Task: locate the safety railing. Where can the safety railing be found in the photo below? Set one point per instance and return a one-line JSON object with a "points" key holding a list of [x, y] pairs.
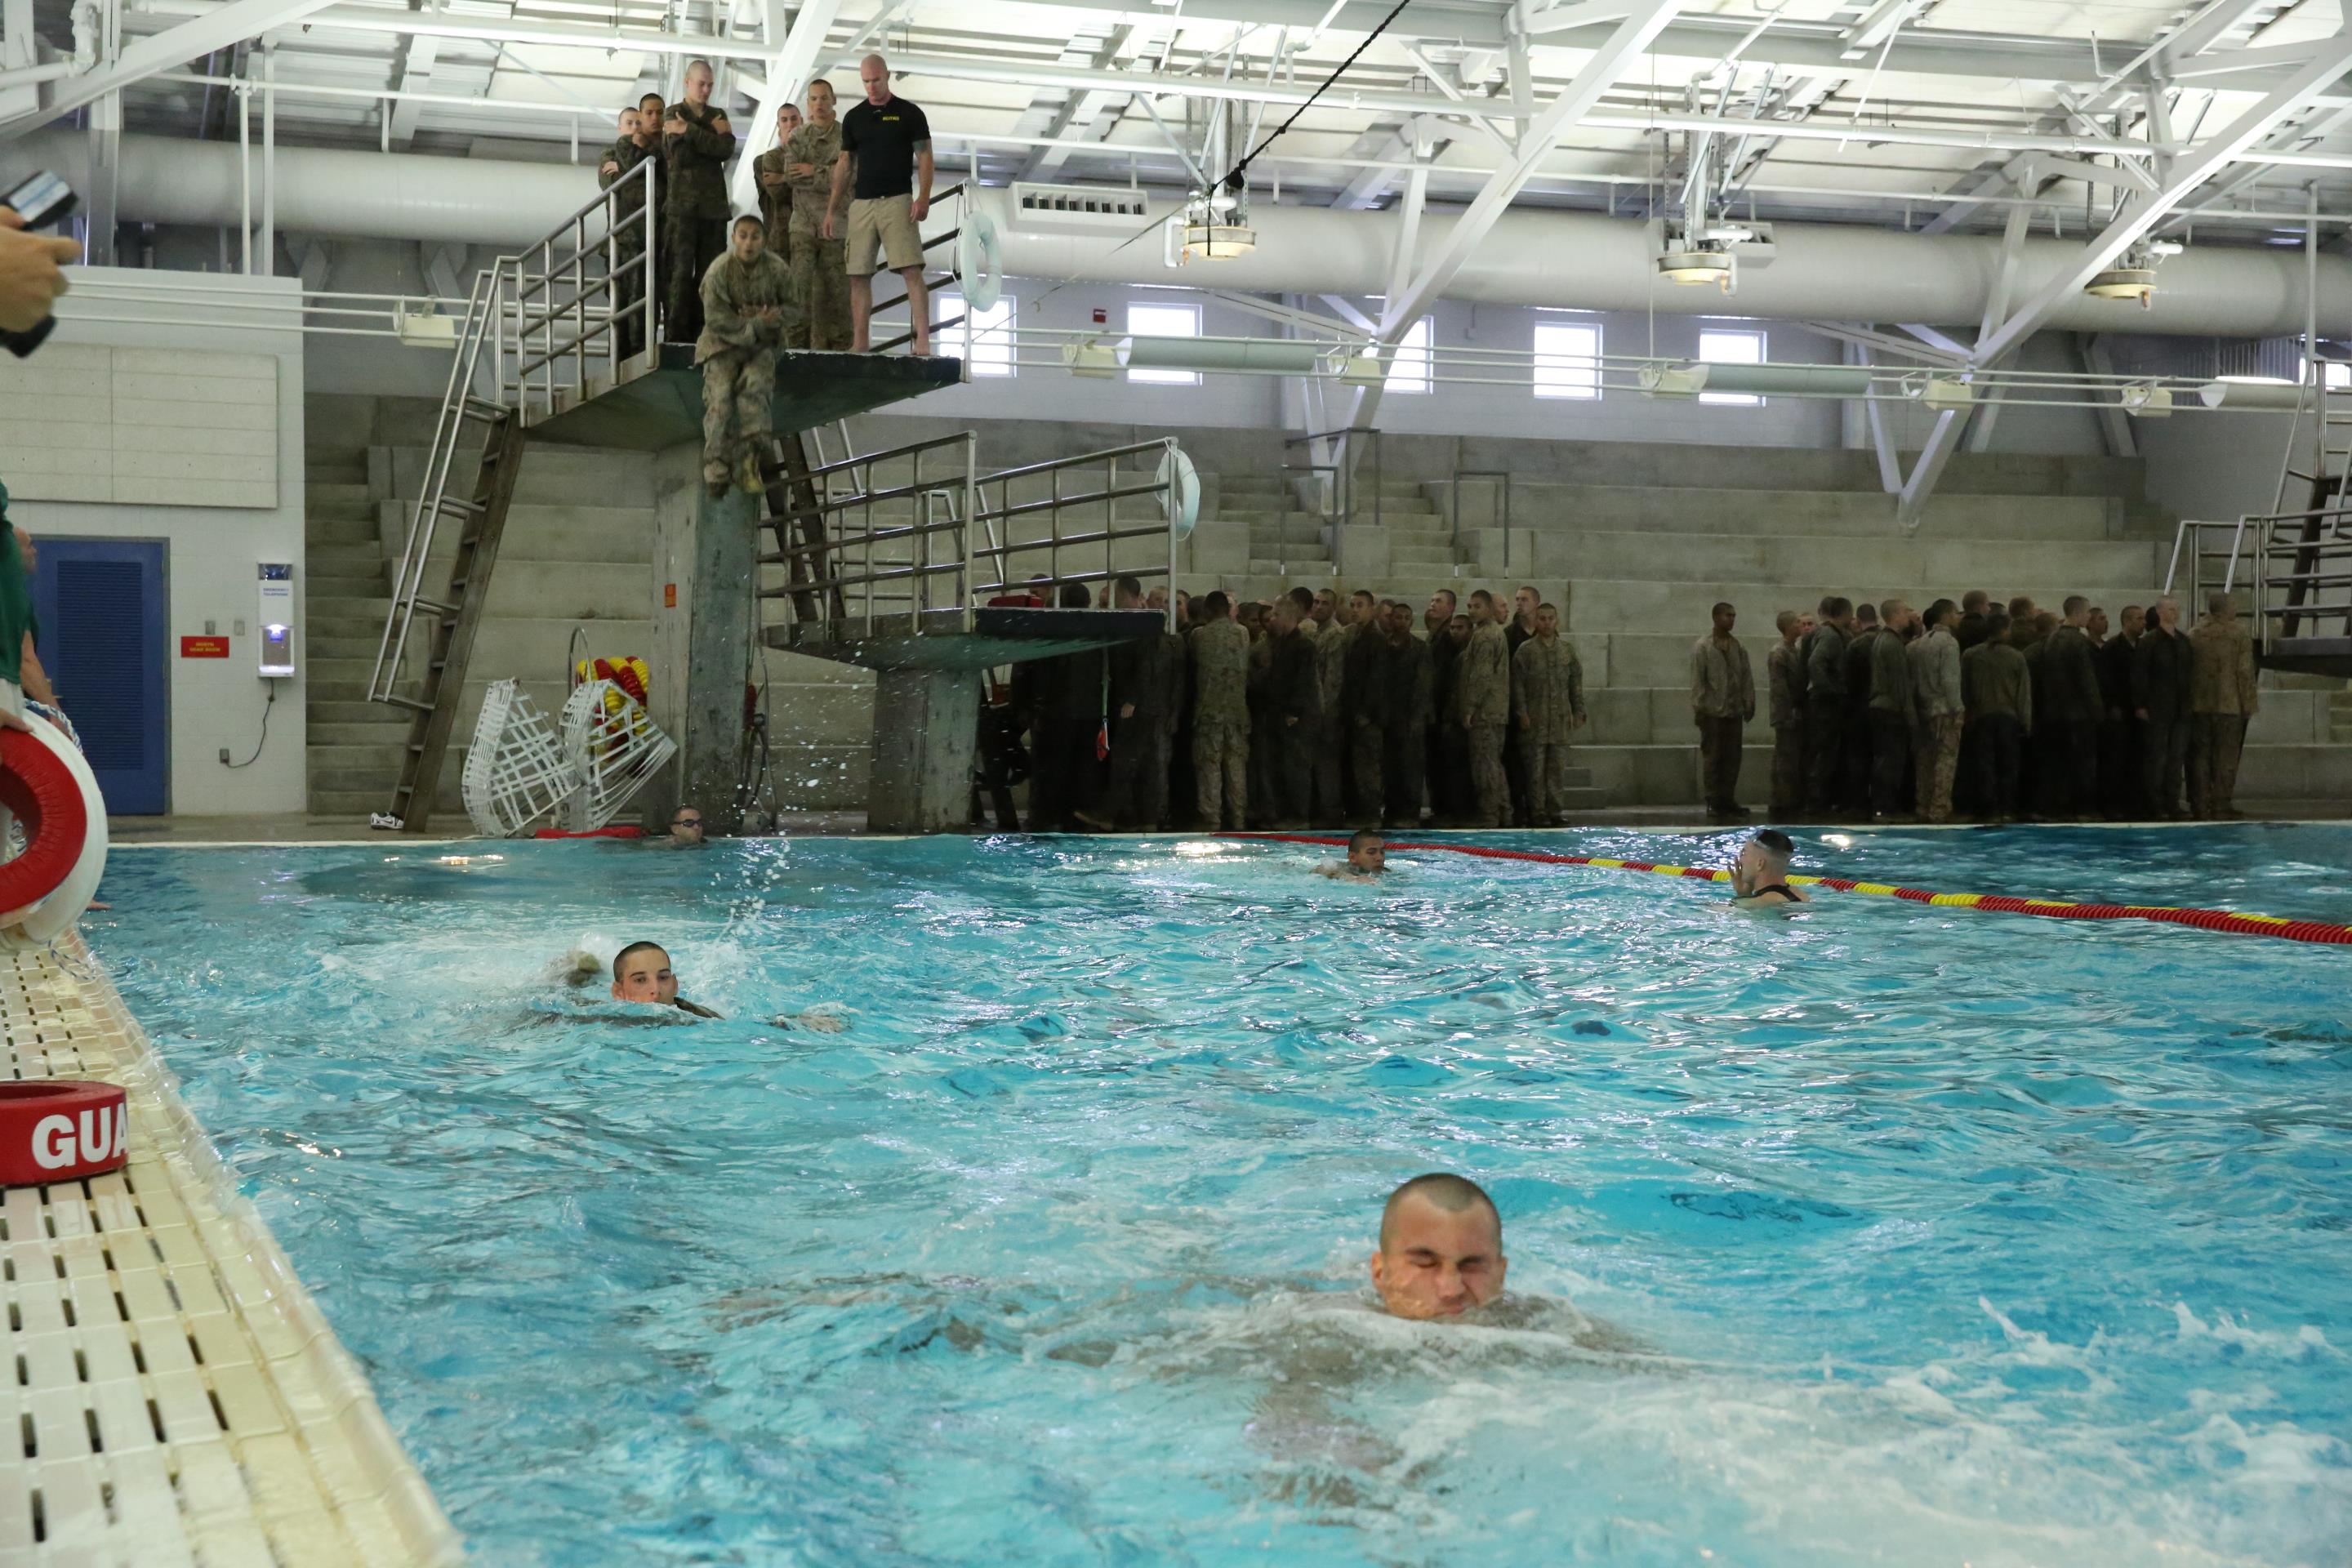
{"points": [[2295, 568], [459, 404], [1082, 519], [1500, 479], [1333, 485], [2304, 591], [576, 311], [890, 547]]}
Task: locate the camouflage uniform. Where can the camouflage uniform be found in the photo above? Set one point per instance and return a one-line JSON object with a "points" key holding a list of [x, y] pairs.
{"points": [[1939, 711], [1723, 698], [1784, 673], [775, 204], [2220, 701], [819, 316], [1411, 692], [737, 352], [1548, 701], [1221, 721], [1364, 708], [1331, 732], [694, 215], [1483, 681], [628, 253]]}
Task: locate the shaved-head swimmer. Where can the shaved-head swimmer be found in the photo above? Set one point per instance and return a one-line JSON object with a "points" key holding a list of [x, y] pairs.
{"points": [[1441, 1248], [1367, 856]]}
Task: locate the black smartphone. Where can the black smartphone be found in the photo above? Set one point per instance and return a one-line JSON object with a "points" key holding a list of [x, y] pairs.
{"points": [[43, 199]]}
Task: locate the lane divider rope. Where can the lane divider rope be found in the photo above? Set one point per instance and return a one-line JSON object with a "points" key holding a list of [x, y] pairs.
{"points": [[2230, 921]]}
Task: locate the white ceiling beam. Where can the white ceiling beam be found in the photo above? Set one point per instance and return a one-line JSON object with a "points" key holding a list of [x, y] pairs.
{"points": [[2191, 170], [411, 72], [1627, 43], [787, 73], [216, 28], [1473, 23]]}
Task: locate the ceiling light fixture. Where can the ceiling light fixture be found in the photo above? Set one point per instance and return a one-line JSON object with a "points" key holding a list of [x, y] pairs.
{"points": [[1214, 225], [2134, 275]]}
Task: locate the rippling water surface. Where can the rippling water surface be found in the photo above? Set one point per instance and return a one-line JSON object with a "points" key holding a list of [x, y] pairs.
{"points": [[1929, 1237]]}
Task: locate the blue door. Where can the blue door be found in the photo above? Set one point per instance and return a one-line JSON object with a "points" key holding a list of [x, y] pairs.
{"points": [[100, 605]]}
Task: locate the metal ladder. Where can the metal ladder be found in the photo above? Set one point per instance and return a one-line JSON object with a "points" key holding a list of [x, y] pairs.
{"points": [[2302, 556], [481, 516]]}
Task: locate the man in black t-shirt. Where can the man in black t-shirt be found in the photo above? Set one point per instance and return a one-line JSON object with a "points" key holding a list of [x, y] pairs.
{"points": [[887, 142]]}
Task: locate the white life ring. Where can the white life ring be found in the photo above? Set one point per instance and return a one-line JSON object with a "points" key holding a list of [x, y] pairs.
{"points": [[978, 261], [45, 782], [1185, 480]]}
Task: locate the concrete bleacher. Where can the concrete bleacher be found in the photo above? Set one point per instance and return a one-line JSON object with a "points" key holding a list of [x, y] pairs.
{"points": [[1634, 542], [576, 556]]}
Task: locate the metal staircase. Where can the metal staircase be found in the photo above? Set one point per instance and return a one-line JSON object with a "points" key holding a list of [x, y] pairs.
{"points": [[480, 515], [542, 330], [2289, 567], [2303, 556]]}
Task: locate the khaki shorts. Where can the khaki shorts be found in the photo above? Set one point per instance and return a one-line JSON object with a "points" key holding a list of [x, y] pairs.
{"points": [[887, 223]]}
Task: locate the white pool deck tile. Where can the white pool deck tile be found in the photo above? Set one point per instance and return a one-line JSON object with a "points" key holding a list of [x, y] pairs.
{"points": [[173, 1399]]}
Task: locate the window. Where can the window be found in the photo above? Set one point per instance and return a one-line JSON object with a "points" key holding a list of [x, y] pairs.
{"points": [[1568, 359], [2336, 374], [1164, 322], [1408, 369], [1731, 348], [992, 335]]}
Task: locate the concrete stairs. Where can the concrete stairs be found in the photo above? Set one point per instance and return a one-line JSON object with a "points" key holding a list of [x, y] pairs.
{"points": [[1634, 544], [354, 744]]}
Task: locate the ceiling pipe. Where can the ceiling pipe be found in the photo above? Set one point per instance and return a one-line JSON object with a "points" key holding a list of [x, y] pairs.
{"points": [[1534, 257]]}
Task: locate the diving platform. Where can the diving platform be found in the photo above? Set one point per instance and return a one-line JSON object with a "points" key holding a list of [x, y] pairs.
{"points": [[655, 403], [939, 639]]}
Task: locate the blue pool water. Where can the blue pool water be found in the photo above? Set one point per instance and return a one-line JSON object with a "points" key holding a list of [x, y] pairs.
{"points": [[1926, 1235]]}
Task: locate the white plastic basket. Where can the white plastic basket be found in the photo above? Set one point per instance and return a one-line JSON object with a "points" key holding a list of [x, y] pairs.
{"points": [[516, 775], [616, 749]]}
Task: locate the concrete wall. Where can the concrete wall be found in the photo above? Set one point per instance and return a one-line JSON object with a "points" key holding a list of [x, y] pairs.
{"points": [[212, 550], [2216, 466]]}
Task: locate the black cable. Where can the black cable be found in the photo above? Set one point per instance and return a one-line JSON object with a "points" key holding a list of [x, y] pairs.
{"points": [[265, 706], [1233, 178], [1235, 175]]}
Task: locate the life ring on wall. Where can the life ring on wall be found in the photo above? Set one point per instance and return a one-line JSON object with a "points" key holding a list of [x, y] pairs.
{"points": [[61, 1130], [46, 785]]}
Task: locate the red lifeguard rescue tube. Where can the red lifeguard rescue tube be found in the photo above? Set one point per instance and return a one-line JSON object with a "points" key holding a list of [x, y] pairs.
{"points": [[61, 1130], [36, 784]]}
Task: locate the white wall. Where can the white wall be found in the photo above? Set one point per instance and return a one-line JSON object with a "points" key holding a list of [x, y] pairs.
{"points": [[211, 551], [2217, 466]]}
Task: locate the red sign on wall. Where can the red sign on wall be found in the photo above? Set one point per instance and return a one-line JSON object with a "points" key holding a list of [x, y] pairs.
{"points": [[203, 647]]}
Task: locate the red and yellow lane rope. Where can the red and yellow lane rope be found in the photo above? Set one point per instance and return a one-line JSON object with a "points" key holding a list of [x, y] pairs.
{"points": [[2231, 920]]}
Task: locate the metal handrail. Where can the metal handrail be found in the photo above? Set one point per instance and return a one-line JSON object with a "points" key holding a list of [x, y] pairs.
{"points": [[1454, 505], [560, 321], [851, 548], [1111, 492], [1341, 509], [432, 498]]}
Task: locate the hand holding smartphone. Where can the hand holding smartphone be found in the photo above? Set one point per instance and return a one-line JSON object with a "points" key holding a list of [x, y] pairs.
{"points": [[31, 275]]}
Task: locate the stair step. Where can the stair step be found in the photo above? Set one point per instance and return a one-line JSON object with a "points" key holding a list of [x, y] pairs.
{"points": [[381, 731], [316, 529], [319, 494]]}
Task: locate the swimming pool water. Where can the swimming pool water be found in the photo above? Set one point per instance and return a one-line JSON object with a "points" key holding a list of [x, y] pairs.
{"points": [[1926, 1235]]}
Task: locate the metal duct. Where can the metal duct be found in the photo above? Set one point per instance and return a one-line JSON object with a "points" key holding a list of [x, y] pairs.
{"points": [[1293, 356], [1567, 260]]}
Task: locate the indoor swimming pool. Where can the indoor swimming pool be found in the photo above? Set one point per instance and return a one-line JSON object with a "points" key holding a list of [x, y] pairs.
{"points": [[1901, 1235]]}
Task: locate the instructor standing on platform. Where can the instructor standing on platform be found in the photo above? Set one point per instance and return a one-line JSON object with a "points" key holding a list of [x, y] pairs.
{"points": [[888, 142], [696, 146]]}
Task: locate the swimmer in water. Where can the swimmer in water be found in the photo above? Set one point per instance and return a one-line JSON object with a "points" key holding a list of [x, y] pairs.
{"points": [[1368, 857], [685, 828], [1760, 876], [1441, 1251], [641, 973]]}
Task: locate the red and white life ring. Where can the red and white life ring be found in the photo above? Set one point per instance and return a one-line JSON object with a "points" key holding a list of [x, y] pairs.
{"points": [[61, 1130], [46, 785]]}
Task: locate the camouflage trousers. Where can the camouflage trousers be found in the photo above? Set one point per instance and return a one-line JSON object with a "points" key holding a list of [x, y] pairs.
{"points": [[1788, 769], [1220, 752], [688, 246], [2216, 742], [1935, 762], [1546, 763], [738, 386], [818, 314], [1489, 786], [628, 292]]}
